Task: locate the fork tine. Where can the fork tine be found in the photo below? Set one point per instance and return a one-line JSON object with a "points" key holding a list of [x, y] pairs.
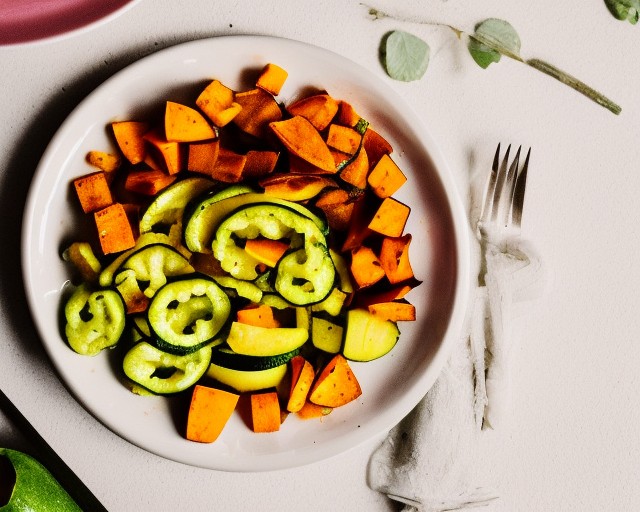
{"points": [[518, 193], [490, 185], [500, 180], [510, 185]]}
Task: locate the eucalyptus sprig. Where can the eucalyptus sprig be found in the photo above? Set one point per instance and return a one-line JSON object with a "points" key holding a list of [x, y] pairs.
{"points": [[625, 10], [406, 56]]}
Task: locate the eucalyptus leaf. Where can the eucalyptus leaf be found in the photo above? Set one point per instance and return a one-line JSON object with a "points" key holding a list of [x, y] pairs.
{"points": [[405, 56], [625, 10], [492, 39]]}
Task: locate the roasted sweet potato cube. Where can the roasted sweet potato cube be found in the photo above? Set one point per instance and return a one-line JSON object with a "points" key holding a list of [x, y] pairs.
{"points": [[259, 163], [217, 103], [266, 251], [347, 115], [259, 316], [259, 108], [343, 138], [114, 229], [310, 411], [148, 182], [365, 267], [386, 177], [336, 385], [394, 258], [359, 225], [395, 311], [93, 191], [170, 151], [229, 166], [129, 136], [318, 109], [300, 137], [185, 124], [337, 207], [202, 156], [265, 412], [390, 218], [272, 79], [376, 146]]}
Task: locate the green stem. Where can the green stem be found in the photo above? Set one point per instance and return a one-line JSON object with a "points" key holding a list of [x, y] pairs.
{"points": [[574, 83]]}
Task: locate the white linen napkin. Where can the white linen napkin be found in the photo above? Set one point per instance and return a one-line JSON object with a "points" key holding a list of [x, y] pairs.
{"points": [[427, 461]]}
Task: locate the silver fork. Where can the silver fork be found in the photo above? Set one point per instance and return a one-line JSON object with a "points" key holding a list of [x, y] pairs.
{"points": [[503, 200]]}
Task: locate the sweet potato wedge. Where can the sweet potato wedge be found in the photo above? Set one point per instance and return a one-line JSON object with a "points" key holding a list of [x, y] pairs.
{"points": [[394, 258], [347, 115], [229, 166], [343, 138], [300, 137], [170, 151], [149, 182], [311, 411], [185, 124], [129, 136], [376, 146], [107, 162], [355, 173], [318, 109], [209, 411], [336, 385], [259, 108], [395, 311], [260, 316], [259, 163], [265, 250], [295, 187], [337, 207], [302, 376]]}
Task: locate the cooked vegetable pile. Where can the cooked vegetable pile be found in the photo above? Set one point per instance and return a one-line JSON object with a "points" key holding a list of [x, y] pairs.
{"points": [[243, 247]]}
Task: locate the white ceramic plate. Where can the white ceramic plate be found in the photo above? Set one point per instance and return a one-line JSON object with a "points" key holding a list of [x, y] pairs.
{"points": [[392, 385]]}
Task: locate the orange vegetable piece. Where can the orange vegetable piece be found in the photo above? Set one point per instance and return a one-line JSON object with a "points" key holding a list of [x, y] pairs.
{"points": [[386, 177], [129, 136], [209, 411], [265, 412], [299, 166], [357, 170], [364, 300], [336, 385], [365, 267], [260, 316], [343, 138], [310, 411], [359, 225], [93, 191], [265, 250], [318, 109], [301, 382], [114, 229], [295, 187], [394, 258], [395, 311], [259, 108], [259, 163], [106, 162], [337, 208], [272, 79], [390, 218], [229, 166], [184, 124], [300, 137], [148, 182], [170, 151], [202, 156], [376, 146], [347, 115], [217, 102]]}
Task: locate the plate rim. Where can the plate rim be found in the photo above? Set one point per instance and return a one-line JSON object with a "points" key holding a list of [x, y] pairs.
{"points": [[460, 237]]}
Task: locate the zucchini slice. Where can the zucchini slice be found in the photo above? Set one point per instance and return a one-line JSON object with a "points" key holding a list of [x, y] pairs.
{"points": [[247, 381], [252, 340], [186, 314], [367, 336], [169, 205]]}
